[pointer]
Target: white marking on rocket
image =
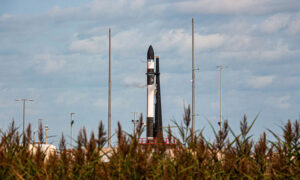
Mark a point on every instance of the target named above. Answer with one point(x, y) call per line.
point(150, 91)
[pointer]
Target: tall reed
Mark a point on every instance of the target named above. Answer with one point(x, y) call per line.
point(191, 157)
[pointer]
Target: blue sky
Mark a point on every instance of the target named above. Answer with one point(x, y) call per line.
point(56, 52)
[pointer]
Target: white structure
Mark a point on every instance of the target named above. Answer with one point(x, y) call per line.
point(48, 149)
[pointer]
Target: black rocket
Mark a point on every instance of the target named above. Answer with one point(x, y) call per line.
point(154, 129)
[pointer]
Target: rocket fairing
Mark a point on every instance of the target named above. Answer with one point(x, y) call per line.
point(150, 91)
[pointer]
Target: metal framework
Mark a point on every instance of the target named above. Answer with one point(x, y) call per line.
point(166, 141)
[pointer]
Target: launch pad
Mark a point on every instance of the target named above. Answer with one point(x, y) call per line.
point(165, 141)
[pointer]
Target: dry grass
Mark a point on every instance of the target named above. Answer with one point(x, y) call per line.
point(190, 158)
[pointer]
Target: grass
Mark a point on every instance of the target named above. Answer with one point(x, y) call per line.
point(192, 157)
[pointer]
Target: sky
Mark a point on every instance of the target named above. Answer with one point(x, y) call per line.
point(56, 52)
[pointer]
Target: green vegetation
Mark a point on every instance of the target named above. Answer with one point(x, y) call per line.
point(189, 158)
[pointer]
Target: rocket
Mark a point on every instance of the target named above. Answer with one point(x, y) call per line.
point(150, 91)
point(154, 129)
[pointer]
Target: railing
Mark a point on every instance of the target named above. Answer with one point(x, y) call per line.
point(167, 141)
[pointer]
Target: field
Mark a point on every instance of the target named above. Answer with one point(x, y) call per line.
point(191, 157)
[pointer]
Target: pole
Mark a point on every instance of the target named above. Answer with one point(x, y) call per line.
point(24, 116)
point(193, 79)
point(134, 122)
point(24, 101)
point(221, 98)
point(46, 130)
point(109, 93)
point(220, 69)
point(71, 114)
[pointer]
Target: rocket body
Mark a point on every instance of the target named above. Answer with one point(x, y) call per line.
point(150, 91)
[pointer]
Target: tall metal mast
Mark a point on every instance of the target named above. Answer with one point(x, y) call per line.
point(193, 79)
point(109, 92)
point(220, 69)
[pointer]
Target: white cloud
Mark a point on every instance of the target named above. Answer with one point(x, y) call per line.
point(236, 27)
point(136, 4)
point(117, 103)
point(47, 63)
point(180, 40)
point(210, 41)
point(125, 41)
point(294, 26)
point(263, 52)
point(239, 42)
point(236, 7)
point(100, 103)
point(95, 44)
point(280, 102)
point(5, 17)
point(122, 42)
point(280, 51)
point(275, 23)
point(70, 98)
point(261, 81)
point(115, 7)
point(134, 81)
point(215, 6)
point(106, 6)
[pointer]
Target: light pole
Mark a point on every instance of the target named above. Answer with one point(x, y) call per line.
point(72, 122)
point(24, 100)
point(193, 77)
point(220, 69)
point(134, 122)
point(34, 137)
point(46, 130)
point(109, 91)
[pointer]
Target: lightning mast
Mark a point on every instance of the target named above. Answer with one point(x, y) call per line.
point(109, 92)
point(220, 68)
point(193, 81)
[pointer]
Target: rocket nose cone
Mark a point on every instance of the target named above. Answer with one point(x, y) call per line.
point(150, 54)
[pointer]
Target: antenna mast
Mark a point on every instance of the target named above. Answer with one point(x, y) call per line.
point(109, 92)
point(193, 79)
point(221, 67)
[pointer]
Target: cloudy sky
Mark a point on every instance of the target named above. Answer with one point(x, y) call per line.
point(56, 52)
